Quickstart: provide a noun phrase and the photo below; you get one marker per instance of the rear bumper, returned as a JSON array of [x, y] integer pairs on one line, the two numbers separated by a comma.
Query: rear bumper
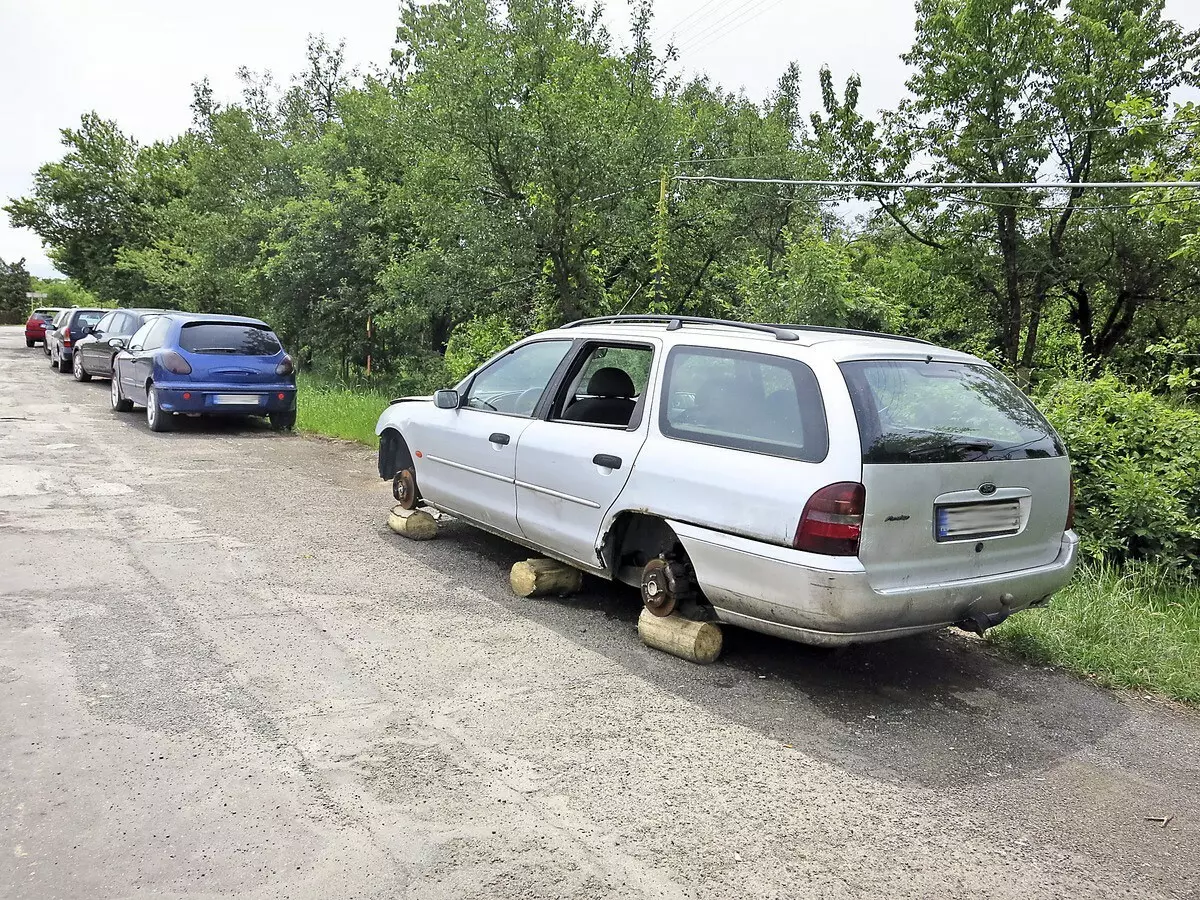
[[259, 399], [35, 334], [829, 600]]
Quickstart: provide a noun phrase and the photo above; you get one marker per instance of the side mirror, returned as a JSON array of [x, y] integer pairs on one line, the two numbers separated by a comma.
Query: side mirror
[[87, 329], [446, 399], [116, 343]]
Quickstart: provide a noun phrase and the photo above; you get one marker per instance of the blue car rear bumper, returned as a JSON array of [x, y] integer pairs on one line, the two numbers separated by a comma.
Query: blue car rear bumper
[[228, 399]]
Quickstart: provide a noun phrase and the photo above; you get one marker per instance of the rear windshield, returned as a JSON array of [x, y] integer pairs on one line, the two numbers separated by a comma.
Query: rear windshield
[[912, 411], [46, 314], [228, 337], [88, 317]]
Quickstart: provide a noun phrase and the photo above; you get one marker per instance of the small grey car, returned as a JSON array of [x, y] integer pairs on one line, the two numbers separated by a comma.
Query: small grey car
[[825, 485]]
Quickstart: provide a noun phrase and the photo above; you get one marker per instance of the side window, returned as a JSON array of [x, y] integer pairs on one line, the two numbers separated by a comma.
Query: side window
[[745, 401], [158, 331], [606, 385], [138, 341], [514, 383], [121, 323], [106, 324]]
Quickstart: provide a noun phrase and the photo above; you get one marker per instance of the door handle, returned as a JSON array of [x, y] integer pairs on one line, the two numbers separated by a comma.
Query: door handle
[[607, 461], [498, 438]]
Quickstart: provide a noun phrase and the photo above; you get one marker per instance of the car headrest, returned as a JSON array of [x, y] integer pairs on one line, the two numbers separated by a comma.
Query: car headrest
[[610, 382]]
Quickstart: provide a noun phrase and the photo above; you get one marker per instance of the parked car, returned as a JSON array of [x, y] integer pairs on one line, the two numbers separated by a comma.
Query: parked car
[[824, 485], [205, 365], [35, 325], [53, 323], [94, 353], [68, 327]]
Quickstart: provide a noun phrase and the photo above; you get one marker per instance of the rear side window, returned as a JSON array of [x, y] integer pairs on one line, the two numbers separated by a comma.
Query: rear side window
[[744, 401], [912, 411], [228, 337]]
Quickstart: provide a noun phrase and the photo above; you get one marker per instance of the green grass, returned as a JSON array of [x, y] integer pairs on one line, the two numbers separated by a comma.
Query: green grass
[[338, 411], [1137, 627]]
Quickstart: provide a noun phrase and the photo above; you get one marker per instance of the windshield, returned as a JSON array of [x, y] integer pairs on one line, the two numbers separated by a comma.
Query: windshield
[[913, 411], [228, 337]]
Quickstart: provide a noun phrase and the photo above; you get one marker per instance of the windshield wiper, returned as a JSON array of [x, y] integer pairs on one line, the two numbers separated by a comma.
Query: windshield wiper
[[951, 446]]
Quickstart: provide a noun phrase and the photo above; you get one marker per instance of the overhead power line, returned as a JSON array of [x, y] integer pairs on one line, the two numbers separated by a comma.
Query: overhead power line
[[699, 42], [950, 185], [692, 19]]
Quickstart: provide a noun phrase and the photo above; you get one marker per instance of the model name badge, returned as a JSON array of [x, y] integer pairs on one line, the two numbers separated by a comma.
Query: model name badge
[[897, 518]]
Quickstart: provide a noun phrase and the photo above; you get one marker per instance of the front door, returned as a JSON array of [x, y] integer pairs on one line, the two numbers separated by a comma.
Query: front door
[[466, 457], [572, 466]]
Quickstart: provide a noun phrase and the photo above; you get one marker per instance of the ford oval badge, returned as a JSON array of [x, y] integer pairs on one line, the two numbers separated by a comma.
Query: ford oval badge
[[987, 489]]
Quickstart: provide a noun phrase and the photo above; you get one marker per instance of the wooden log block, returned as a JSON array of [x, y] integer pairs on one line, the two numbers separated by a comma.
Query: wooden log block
[[539, 577], [698, 642], [412, 523]]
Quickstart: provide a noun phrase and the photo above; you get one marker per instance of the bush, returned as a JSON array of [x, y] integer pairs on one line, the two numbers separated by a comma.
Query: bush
[[477, 341], [1135, 458]]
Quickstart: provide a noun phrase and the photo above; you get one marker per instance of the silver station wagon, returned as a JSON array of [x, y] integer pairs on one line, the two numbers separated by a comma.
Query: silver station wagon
[[824, 485]]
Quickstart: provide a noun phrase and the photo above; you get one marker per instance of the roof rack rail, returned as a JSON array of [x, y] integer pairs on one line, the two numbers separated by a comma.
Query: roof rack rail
[[781, 332], [674, 323], [830, 329]]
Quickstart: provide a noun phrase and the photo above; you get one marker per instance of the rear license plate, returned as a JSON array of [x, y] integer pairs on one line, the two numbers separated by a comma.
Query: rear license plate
[[237, 399], [976, 520]]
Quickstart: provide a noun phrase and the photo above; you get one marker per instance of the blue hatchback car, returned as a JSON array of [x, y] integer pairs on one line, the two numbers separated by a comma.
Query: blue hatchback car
[[205, 365]]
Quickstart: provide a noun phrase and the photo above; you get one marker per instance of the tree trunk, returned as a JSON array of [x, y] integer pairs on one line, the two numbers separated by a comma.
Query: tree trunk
[[1006, 227]]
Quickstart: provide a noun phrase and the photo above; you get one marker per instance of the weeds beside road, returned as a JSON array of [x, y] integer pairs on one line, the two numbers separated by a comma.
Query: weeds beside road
[[1132, 628], [1126, 628]]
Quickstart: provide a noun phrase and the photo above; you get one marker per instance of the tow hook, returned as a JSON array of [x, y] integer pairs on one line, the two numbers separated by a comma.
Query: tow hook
[[978, 622]]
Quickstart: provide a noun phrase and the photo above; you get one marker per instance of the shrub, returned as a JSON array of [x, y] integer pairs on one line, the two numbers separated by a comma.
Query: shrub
[[1136, 459], [477, 341]]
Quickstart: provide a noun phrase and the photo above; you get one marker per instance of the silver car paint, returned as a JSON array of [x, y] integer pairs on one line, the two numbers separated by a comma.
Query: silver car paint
[[736, 512]]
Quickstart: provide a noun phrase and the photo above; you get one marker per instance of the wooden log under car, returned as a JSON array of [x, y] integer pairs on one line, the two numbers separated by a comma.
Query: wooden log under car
[[698, 642], [541, 577], [412, 523]]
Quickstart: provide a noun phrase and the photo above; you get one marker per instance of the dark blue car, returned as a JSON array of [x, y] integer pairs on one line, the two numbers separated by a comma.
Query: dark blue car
[[205, 365]]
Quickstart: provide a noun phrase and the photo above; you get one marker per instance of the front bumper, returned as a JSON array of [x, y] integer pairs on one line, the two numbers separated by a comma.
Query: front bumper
[[259, 399], [829, 600]]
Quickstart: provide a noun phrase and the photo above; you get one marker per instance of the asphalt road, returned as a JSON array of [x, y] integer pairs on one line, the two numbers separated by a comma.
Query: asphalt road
[[221, 675]]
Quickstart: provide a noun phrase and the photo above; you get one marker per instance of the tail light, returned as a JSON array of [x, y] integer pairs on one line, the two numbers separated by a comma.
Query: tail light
[[286, 366], [1071, 506], [174, 363], [66, 337], [832, 520]]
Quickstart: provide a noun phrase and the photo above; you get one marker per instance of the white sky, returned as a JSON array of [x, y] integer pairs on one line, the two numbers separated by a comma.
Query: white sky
[[135, 60]]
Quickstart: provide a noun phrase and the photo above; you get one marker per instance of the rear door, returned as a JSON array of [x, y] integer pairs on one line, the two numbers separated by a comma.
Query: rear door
[[569, 471], [136, 369], [964, 477]]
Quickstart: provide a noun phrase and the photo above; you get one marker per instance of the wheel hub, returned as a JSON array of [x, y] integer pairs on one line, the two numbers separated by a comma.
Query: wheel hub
[[658, 587], [404, 489]]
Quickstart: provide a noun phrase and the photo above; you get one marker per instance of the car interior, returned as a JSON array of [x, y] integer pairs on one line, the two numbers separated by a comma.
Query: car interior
[[606, 389]]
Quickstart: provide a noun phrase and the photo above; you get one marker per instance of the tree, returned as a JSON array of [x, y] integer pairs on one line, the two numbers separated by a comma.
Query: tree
[[1011, 91], [14, 285], [88, 206]]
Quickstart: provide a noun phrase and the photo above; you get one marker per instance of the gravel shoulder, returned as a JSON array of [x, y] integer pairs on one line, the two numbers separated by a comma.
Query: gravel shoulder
[[220, 674]]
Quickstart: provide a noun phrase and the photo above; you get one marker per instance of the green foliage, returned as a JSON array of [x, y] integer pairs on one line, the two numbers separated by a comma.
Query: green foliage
[[1018, 91], [324, 407], [1135, 458], [14, 284], [1137, 627], [475, 342], [64, 292]]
